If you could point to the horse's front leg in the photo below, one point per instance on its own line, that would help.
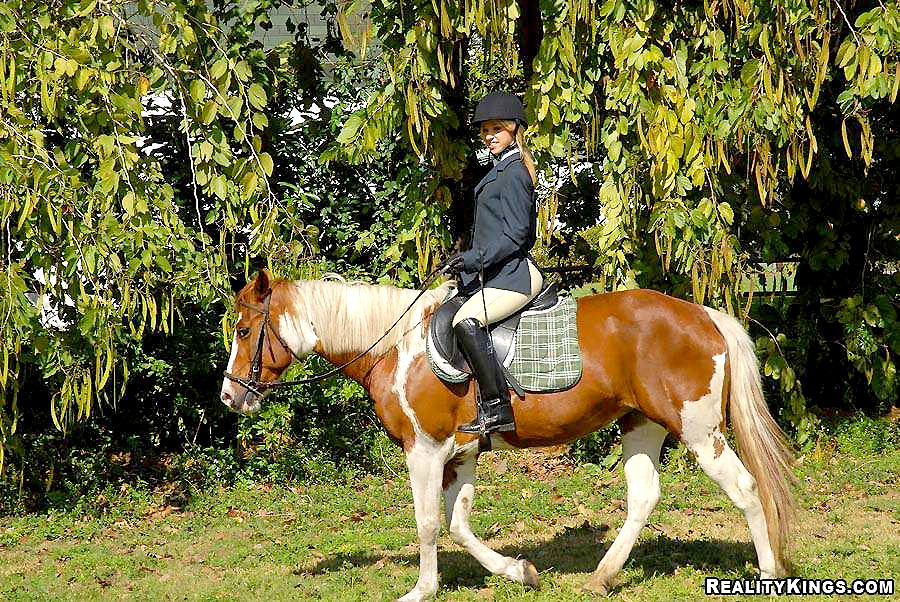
(459, 493)
(426, 461)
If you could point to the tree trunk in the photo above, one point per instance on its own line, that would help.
(461, 211)
(531, 32)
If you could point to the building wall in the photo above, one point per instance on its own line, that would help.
(279, 34)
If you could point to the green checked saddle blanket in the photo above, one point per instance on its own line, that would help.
(544, 355)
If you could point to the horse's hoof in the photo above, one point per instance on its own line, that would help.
(590, 587)
(600, 586)
(530, 575)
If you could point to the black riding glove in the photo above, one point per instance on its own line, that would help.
(455, 264)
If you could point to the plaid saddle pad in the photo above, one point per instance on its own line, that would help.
(546, 355)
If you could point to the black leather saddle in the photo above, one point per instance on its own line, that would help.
(503, 333)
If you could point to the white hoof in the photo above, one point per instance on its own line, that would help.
(416, 595)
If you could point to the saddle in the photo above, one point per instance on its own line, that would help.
(503, 333)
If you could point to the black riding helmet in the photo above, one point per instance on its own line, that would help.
(500, 106)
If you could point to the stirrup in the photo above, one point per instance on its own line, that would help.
(480, 427)
(494, 416)
(476, 427)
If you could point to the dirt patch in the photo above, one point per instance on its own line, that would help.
(894, 414)
(543, 464)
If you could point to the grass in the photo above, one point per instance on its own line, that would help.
(356, 540)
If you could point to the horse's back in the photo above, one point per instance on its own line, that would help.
(655, 346)
(642, 312)
(639, 304)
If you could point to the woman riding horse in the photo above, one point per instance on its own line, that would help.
(496, 273)
(657, 364)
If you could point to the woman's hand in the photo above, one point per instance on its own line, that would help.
(455, 264)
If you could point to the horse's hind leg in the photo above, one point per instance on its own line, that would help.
(641, 444)
(459, 491)
(725, 468)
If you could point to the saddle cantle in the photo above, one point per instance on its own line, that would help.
(503, 333)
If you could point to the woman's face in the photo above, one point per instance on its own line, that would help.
(495, 136)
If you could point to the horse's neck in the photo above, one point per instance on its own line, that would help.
(348, 319)
(359, 368)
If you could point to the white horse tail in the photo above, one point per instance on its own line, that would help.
(762, 444)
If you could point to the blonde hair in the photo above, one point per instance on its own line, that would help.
(527, 157)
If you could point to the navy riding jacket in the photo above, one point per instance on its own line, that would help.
(504, 228)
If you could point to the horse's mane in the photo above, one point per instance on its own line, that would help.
(348, 317)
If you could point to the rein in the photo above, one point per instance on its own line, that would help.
(252, 382)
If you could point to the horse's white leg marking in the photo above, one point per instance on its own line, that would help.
(458, 499)
(426, 470)
(640, 452)
(725, 468)
(425, 460)
(465, 473)
(700, 432)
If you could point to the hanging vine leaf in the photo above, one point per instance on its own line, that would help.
(101, 235)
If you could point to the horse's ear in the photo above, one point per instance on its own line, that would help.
(262, 286)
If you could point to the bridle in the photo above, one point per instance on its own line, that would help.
(253, 383)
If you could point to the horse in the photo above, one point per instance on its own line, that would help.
(655, 363)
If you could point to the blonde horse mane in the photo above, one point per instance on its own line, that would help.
(349, 316)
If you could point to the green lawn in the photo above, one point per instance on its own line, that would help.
(356, 541)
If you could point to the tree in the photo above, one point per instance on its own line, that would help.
(92, 224)
(334, 217)
(676, 115)
(840, 330)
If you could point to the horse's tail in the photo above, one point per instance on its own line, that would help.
(762, 444)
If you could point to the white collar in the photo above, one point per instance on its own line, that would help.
(506, 153)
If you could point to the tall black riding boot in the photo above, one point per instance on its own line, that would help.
(494, 407)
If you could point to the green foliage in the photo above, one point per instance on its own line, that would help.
(602, 447)
(776, 355)
(92, 224)
(170, 433)
(872, 340)
(315, 431)
(840, 228)
(673, 98)
(863, 435)
(169, 415)
(679, 127)
(166, 408)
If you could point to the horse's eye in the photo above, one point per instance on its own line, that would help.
(243, 333)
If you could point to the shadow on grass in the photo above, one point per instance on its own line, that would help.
(573, 550)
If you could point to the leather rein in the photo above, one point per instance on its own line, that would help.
(253, 383)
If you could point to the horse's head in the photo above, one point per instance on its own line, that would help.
(266, 339)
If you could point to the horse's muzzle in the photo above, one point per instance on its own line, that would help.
(247, 403)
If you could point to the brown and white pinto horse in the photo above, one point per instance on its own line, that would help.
(657, 364)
